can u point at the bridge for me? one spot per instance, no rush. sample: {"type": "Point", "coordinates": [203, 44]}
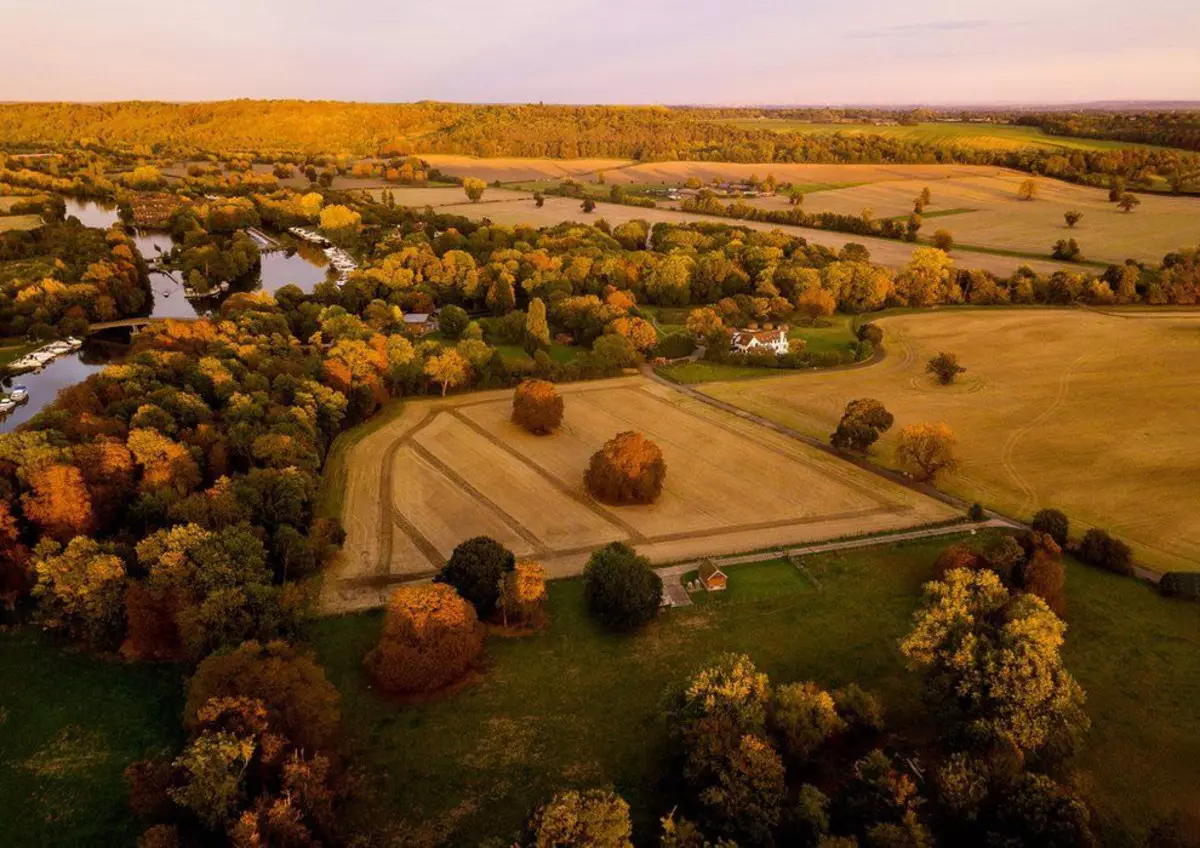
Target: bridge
{"type": "Point", "coordinates": [131, 323]}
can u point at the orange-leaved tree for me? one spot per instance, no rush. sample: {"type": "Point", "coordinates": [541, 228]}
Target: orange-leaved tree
{"type": "Point", "coordinates": [927, 449]}
{"type": "Point", "coordinates": [537, 407]}
{"type": "Point", "coordinates": [628, 469]}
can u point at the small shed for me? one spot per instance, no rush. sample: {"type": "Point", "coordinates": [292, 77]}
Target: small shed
{"type": "Point", "coordinates": [712, 578]}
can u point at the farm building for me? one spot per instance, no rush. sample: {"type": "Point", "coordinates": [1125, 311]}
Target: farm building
{"type": "Point", "coordinates": [420, 323]}
{"type": "Point", "coordinates": [712, 578]}
{"type": "Point", "coordinates": [760, 341]}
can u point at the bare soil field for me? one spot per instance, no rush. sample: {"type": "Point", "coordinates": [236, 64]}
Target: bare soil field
{"type": "Point", "coordinates": [983, 209]}
{"type": "Point", "coordinates": [556, 210]}
{"type": "Point", "coordinates": [1091, 413]}
{"type": "Point", "coordinates": [441, 471]}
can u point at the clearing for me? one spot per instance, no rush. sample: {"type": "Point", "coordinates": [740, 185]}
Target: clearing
{"type": "Point", "coordinates": [577, 707]}
{"type": "Point", "coordinates": [433, 473]}
{"type": "Point", "coordinates": [1091, 413]}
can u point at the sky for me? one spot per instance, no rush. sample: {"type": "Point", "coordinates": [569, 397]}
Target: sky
{"type": "Point", "coordinates": [603, 51]}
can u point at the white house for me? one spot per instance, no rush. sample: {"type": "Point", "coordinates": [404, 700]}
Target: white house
{"type": "Point", "coordinates": [760, 341]}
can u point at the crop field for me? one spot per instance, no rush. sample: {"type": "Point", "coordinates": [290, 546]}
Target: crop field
{"type": "Point", "coordinates": [1090, 413]}
{"type": "Point", "coordinates": [984, 210]}
{"type": "Point", "coordinates": [979, 136]}
{"type": "Point", "coordinates": [19, 222]}
{"type": "Point", "coordinates": [883, 251]}
{"type": "Point", "coordinates": [514, 169]}
{"type": "Point", "coordinates": [442, 471]}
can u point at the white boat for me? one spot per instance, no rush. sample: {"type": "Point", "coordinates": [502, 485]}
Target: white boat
{"type": "Point", "coordinates": [20, 394]}
{"type": "Point", "coordinates": [6, 406]}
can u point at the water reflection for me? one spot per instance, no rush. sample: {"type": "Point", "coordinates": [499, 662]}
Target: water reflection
{"type": "Point", "coordinates": [65, 371]}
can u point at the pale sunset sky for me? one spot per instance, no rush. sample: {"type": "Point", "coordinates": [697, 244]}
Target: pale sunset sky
{"type": "Point", "coordinates": [603, 51]}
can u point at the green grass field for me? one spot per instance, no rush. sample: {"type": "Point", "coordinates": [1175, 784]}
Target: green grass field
{"type": "Point", "coordinates": [986, 136]}
{"type": "Point", "coordinates": [576, 706]}
{"type": "Point", "coordinates": [69, 725]}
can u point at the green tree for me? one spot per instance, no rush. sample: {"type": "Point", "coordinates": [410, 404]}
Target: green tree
{"type": "Point", "coordinates": [803, 717]}
{"type": "Point", "coordinates": [945, 367]}
{"type": "Point", "coordinates": [620, 588]}
{"type": "Point", "coordinates": [1072, 217]}
{"type": "Point", "coordinates": [452, 321]}
{"type": "Point", "coordinates": [863, 422]}
{"type": "Point", "coordinates": [593, 818]}
{"type": "Point", "coordinates": [476, 568]}
{"type": "Point", "coordinates": [80, 590]}
{"type": "Point", "coordinates": [1128, 202]}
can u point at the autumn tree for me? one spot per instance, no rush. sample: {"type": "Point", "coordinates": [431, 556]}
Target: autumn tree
{"type": "Point", "coordinates": [926, 196]}
{"type": "Point", "coordinates": [595, 818]}
{"type": "Point", "coordinates": [803, 716]}
{"type": "Point", "coordinates": [1072, 217]}
{"type": "Point", "coordinates": [59, 502]}
{"type": "Point", "coordinates": [705, 325]}
{"type": "Point", "coordinates": [537, 330]}
{"type": "Point", "coordinates": [628, 469]}
{"type": "Point", "coordinates": [476, 569]}
{"type": "Point", "coordinates": [80, 590]}
{"type": "Point", "coordinates": [1128, 202]}
{"type": "Point", "coordinates": [639, 331]}
{"type": "Point", "coordinates": [992, 663]}
{"type": "Point", "coordinates": [537, 406]}
{"type": "Point", "coordinates": [863, 422]}
{"type": "Point", "coordinates": [431, 638]}
{"type": "Point", "coordinates": [474, 188]}
{"type": "Point", "coordinates": [620, 588]}
{"type": "Point", "coordinates": [448, 368]}
{"type": "Point", "coordinates": [945, 367]}
{"type": "Point", "coordinates": [523, 594]}
{"type": "Point", "coordinates": [927, 449]}
{"type": "Point", "coordinates": [1045, 576]}
{"type": "Point", "coordinates": [1027, 190]}
{"type": "Point", "coordinates": [14, 559]}
{"type": "Point", "coordinates": [816, 303]}
{"type": "Point", "coordinates": [943, 240]}
{"type": "Point", "coordinates": [588, 205]}
{"type": "Point", "coordinates": [340, 222]}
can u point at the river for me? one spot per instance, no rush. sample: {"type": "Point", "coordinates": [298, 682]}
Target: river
{"type": "Point", "coordinates": [305, 267]}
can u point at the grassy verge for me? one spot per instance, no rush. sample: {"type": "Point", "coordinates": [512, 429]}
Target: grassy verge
{"type": "Point", "coordinates": [69, 725]}
{"type": "Point", "coordinates": [575, 706]}
{"type": "Point", "coordinates": [333, 480]}
{"type": "Point", "coordinates": [13, 349]}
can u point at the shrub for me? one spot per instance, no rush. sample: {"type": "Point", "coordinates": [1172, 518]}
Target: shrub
{"type": "Point", "coordinates": [620, 587]}
{"type": "Point", "coordinates": [593, 818]}
{"type": "Point", "coordinates": [1100, 549]}
{"type": "Point", "coordinates": [628, 469]}
{"type": "Point", "coordinates": [1045, 577]}
{"type": "Point", "coordinates": [869, 332]}
{"type": "Point", "coordinates": [675, 346]}
{"type": "Point", "coordinates": [976, 512]}
{"type": "Point", "coordinates": [945, 367]}
{"type": "Point", "coordinates": [299, 699]}
{"type": "Point", "coordinates": [537, 407]}
{"type": "Point", "coordinates": [431, 638]}
{"type": "Point", "coordinates": [955, 556]}
{"type": "Point", "coordinates": [1052, 522]}
{"type": "Point", "coordinates": [1180, 584]}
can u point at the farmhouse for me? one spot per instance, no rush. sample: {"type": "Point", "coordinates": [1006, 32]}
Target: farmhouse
{"type": "Point", "coordinates": [712, 578]}
{"type": "Point", "coordinates": [760, 341]}
{"type": "Point", "coordinates": [420, 323]}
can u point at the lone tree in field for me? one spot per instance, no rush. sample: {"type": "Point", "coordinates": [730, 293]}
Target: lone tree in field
{"type": "Point", "coordinates": [1027, 190]}
{"type": "Point", "coordinates": [863, 422]}
{"type": "Point", "coordinates": [475, 569]}
{"type": "Point", "coordinates": [945, 367]}
{"type": "Point", "coordinates": [942, 240]}
{"type": "Point", "coordinates": [588, 205]}
{"type": "Point", "coordinates": [926, 196]}
{"type": "Point", "coordinates": [628, 469]}
{"type": "Point", "coordinates": [1128, 202]}
{"type": "Point", "coordinates": [539, 199]}
{"type": "Point", "coordinates": [431, 638]}
{"type": "Point", "coordinates": [1065, 249]}
{"type": "Point", "coordinates": [474, 188]}
{"type": "Point", "coordinates": [537, 407]}
{"type": "Point", "coordinates": [1072, 217]}
{"type": "Point", "coordinates": [927, 449]}
{"type": "Point", "coordinates": [620, 588]}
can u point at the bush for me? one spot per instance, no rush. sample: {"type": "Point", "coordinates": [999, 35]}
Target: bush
{"type": "Point", "coordinates": [620, 588]}
{"type": "Point", "coordinates": [537, 407]}
{"type": "Point", "coordinates": [1045, 577]}
{"type": "Point", "coordinates": [1053, 523]}
{"type": "Point", "coordinates": [976, 512]}
{"type": "Point", "coordinates": [1180, 584]}
{"type": "Point", "coordinates": [594, 818]}
{"type": "Point", "coordinates": [628, 469]}
{"type": "Point", "coordinates": [431, 638]}
{"type": "Point", "coordinates": [475, 569]}
{"type": "Point", "coordinates": [870, 332]}
{"type": "Point", "coordinates": [675, 346]}
{"type": "Point", "coordinates": [955, 556]}
{"type": "Point", "coordinates": [1100, 549]}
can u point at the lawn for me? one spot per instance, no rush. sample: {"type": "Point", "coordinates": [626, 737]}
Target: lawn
{"type": "Point", "coordinates": [69, 725]}
{"type": "Point", "coordinates": [11, 349]}
{"type": "Point", "coordinates": [1087, 412]}
{"type": "Point", "coordinates": [576, 706]}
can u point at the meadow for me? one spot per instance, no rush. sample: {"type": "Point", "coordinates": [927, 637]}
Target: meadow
{"type": "Point", "coordinates": [1088, 412]}
{"type": "Point", "coordinates": [575, 706]}
{"type": "Point", "coordinates": [439, 472]}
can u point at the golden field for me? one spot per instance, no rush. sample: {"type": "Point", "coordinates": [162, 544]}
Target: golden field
{"type": "Point", "coordinates": [438, 472]}
{"type": "Point", "coordinates": [1090, 413]}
